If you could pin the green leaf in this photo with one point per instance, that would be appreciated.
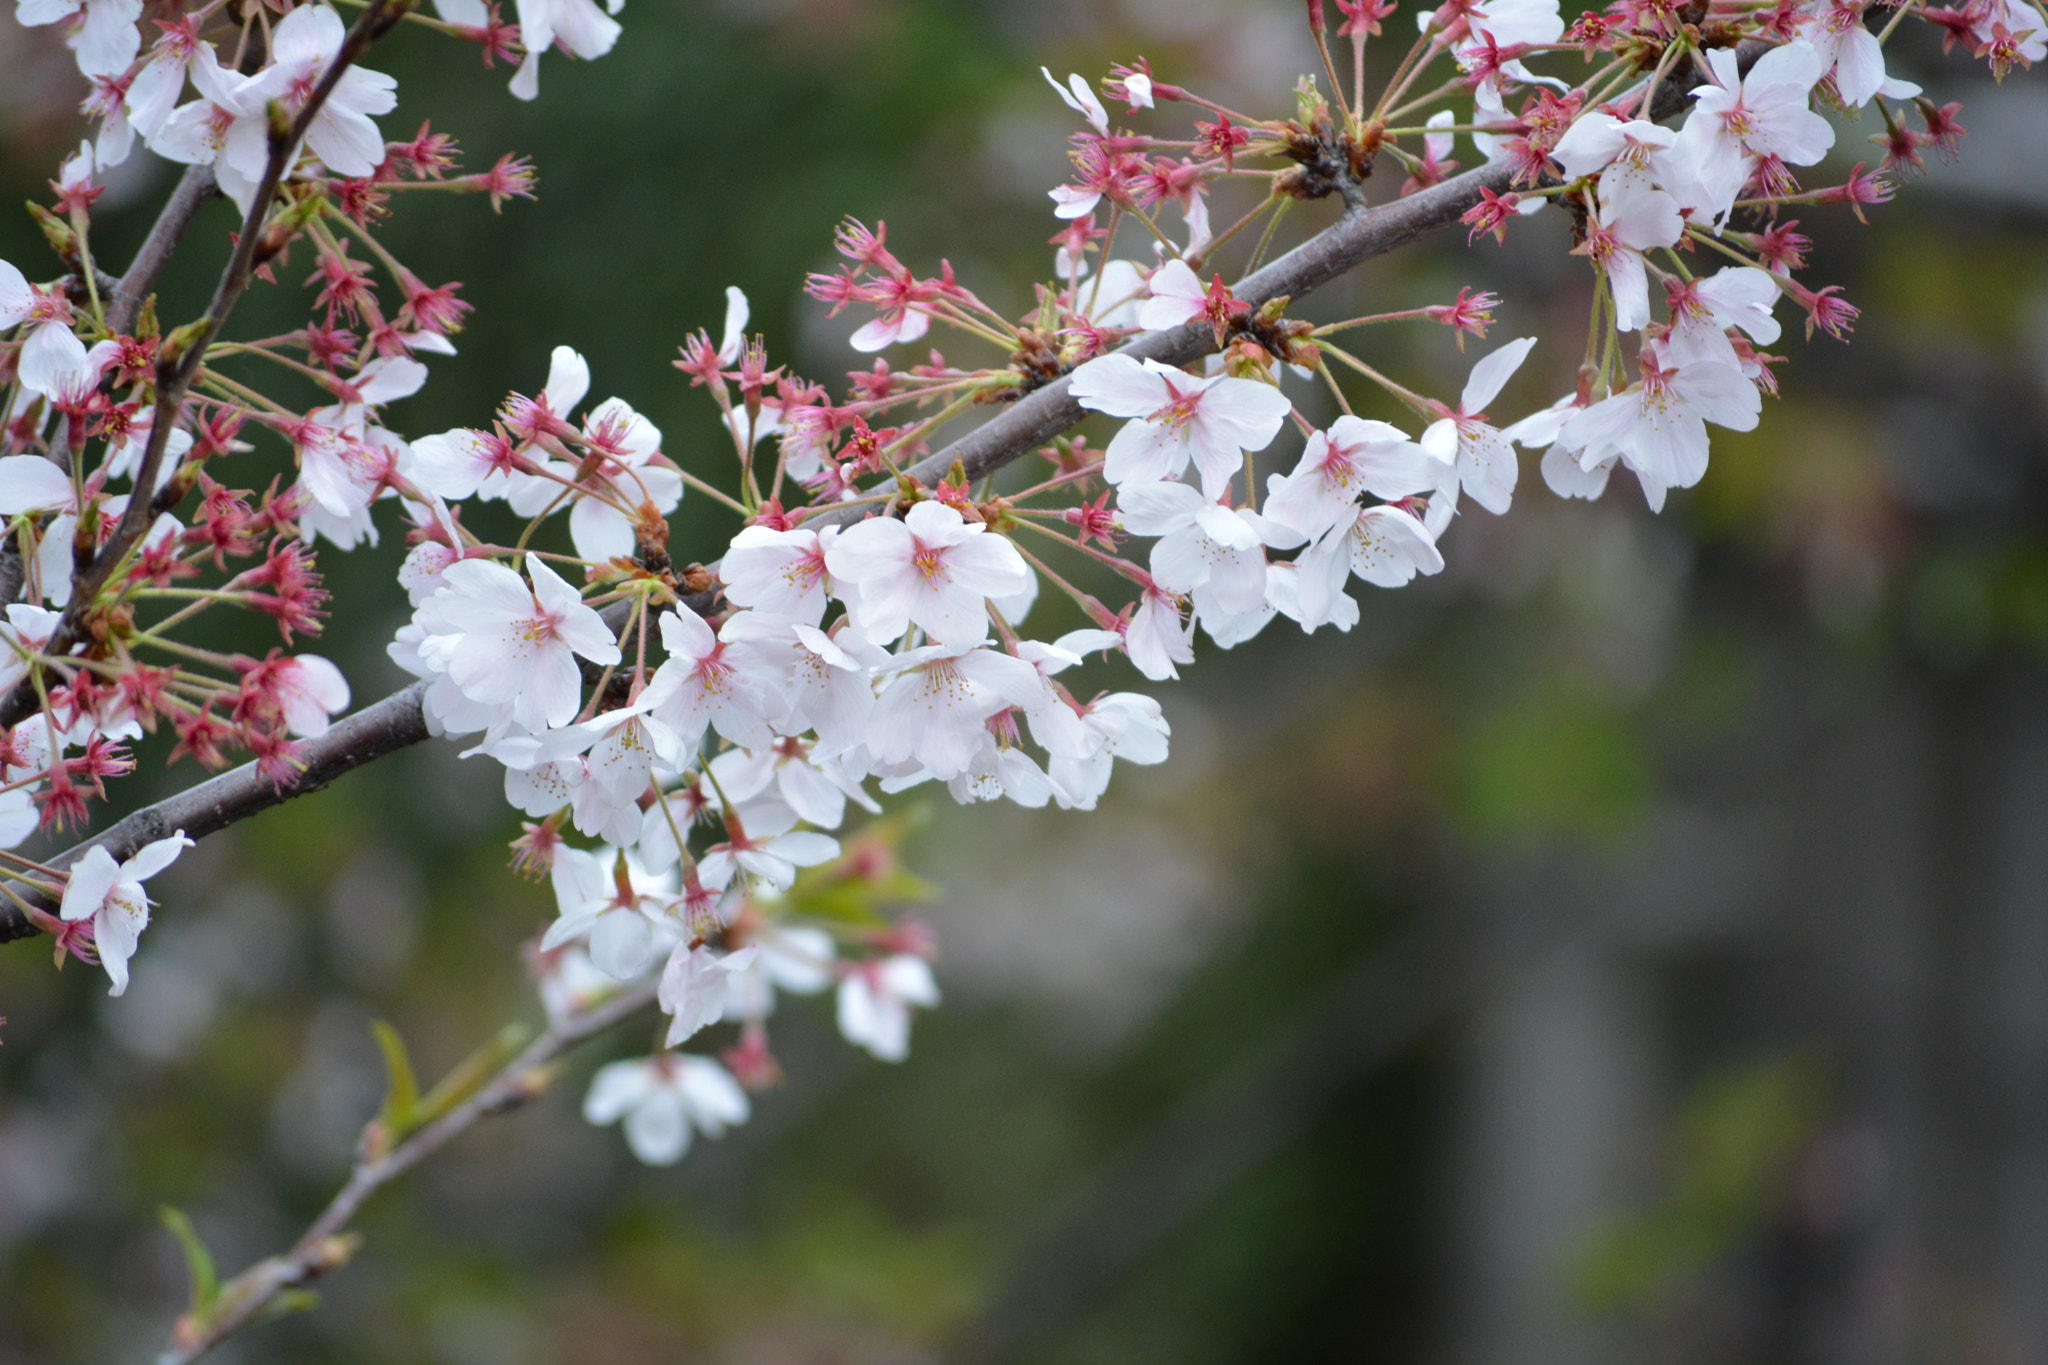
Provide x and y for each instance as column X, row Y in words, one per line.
column 198, row 1261
column 402, row 1098
column 852, row 888
column 470, row 1074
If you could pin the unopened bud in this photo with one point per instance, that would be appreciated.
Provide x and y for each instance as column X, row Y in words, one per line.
column 62, row 238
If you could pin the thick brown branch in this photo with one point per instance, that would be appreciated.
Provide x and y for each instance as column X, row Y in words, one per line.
column 194, row 188
column 213, row 805
column 323, row 1247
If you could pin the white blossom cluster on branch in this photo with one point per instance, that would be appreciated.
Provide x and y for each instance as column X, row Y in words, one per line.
column 686, row 727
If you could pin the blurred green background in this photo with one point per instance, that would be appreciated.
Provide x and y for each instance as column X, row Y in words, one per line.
column 1631, row 945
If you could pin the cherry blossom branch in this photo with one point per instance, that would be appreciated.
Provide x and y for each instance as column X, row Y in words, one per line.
column 194, row 188
column 184, row 350
column 326, row 1244
column 1357, row 237
column 213, row 805
column 396, row 722
column 1353, row 239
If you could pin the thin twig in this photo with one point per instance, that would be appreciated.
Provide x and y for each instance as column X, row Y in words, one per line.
column 325, row 1245
column 194, row 188
column 175, row 371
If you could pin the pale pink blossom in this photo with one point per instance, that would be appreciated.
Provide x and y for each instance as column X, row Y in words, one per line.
column 1000, row 769
column 463, row 464
column 1178, row 417
column 764, row 855
column 779, row 573
column 53, row 359
column 825, row 678
column 508, row 644
column 1202, row 545
column 613, row 906
column 816, row 789
column 708, row 681
column 1657, row 426
column 627, row 443
column 695, row 986
column 792, row 957
column 110, row 894
column 1384, row 545
column 1174, row 296
column 1618, row 232
column 229, row 127
column 935, row 708
column 578, row 27
column 932, row 569
column 24, row 634
column 1737, row 120
column 1354, row 456
column 310, row 690
column 664, row 1099
column 1079, row 96
column 1850, row 52
column 102, row 32
column 1467, row 441
column 1125, row 725
column 875, row 1000
column 1703, row 311
column 1157, row 636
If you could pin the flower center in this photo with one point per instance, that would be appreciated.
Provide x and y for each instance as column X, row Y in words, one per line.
column 930, row 561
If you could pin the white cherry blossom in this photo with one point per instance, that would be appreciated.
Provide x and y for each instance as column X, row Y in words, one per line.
column 1125, row 725
column 102, row 32
column 1466, row 440
column 769, row 855
column 504, row 643
column 1354, row 456
column 708, row 681
column 1657, row 426
column 1738, row 119
column 1157, row 636
column 1851, row 53
column 110, row 894
column 935, row 708
column 798, row 958
column 875, row 1000
column 1202, row 544
column 825, row 678
column 1079, row 96
column 696, row 985
column 817, row 789
column 1703, row 311
column 1384, row 545
column 311, row 690
column 1175, row 295
column 614, row 905
column 578, row 27
column 1178, row 418
column 779, row 573
column 663, row 1100
column 932, row 569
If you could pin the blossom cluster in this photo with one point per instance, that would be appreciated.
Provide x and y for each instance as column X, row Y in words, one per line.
column 685, row 734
